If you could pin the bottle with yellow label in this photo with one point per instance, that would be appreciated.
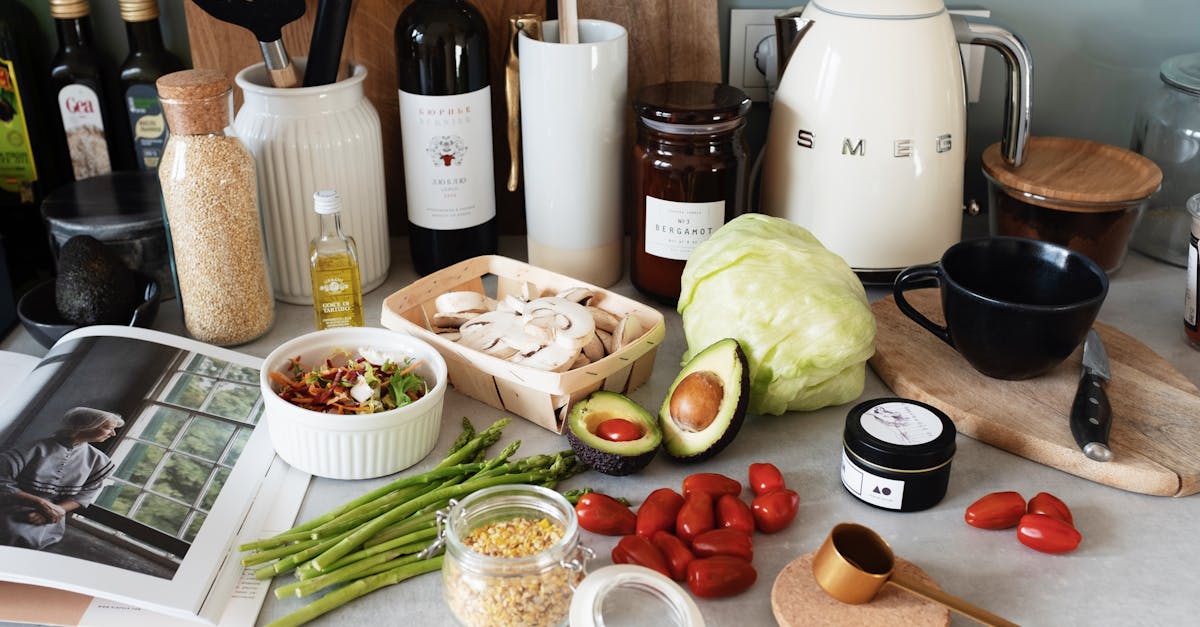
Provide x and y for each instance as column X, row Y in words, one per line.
column 333, row 258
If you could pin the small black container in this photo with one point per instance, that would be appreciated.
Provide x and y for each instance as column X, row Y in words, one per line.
column 896, row 454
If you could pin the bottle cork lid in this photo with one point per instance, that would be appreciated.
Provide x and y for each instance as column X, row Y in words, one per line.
column 327, row 201
column 138, row 10
column 199, row 84
column 196, row 101
column 69, row 9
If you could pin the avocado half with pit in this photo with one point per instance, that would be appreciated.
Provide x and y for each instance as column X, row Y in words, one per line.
column 612, row 434
column 706, row 404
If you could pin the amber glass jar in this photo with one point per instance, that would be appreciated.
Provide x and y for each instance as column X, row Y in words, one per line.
column 689, row 176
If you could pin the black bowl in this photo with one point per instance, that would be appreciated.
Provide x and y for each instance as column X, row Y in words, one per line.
column 39, row 313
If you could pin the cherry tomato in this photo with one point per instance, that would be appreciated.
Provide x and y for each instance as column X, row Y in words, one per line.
column 734, row 513
column 724, row 542
column 998, row 510
column 602, row 514
column 695, row 517
column 658, row 512
column 775, row 510
column 1050, row 505
column 1047, row 534
column 638, row 550
column 618, row 430
column 712, row 483
column 676, row 551
column 765, row 478
column 720, row 576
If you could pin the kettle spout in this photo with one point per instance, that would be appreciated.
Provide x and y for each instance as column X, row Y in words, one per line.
column 790, row 28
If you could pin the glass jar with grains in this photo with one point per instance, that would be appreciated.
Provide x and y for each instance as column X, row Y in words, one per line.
column 211, row 199
column 513, row 557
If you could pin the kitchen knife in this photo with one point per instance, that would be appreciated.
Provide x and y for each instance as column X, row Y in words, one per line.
column 1091, row 414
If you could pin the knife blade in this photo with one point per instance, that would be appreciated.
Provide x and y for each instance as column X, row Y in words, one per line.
column 1091, row 413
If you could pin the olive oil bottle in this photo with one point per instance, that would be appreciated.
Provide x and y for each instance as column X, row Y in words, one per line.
column 148, row 60
column 333, row 261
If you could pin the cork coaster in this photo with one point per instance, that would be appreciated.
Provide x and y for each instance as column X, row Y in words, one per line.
column 798, row 601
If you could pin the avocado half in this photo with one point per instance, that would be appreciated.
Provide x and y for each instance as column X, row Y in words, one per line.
column 706, row 404
column 607, row 456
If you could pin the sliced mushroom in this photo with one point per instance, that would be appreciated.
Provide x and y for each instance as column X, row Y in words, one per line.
column 529, row 291
column 454, row 319
column 594, row 349
column 604, row 320
column 453, row 302
column 486, row 333
column 572, row 323
column 606, row 340
column 452, row 335
column 511, row 302
column 551, row 358
column 581, row 360
column 581, row 295
column 629, row 330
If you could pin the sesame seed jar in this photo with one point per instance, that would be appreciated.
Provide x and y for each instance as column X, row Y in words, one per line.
column 512, row 557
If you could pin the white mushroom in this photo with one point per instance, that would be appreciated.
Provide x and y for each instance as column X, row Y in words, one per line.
column 551, row 358
column 594, row 349
column 486, row 333
column 606, row 340
column 529, row 291
column 511, row 302
column 629, row 330
column 454, row 302
column 453, row 319
column 571, row 323
column 604, row 320
column 581, row 295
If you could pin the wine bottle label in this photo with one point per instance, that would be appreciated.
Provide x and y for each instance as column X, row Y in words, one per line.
column 80, row 109
column 17, row 168
column 447, row 144
column 674, row 229
column 149, row 126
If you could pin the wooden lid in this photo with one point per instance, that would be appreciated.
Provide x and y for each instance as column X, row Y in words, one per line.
column 1076, row 172
column 798, row 601
column 198, row 84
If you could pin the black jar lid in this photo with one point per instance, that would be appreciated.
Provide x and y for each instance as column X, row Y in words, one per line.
column 691, row 102
column 900, row 434
column 114, row 206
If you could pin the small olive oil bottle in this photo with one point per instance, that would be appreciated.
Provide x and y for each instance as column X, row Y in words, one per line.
column 333, row 259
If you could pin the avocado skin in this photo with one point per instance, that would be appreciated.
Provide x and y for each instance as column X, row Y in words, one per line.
column 93, row 285
column 735, row 417
column 614, row 462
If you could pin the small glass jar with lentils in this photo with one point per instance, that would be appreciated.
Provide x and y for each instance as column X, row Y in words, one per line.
column 513, row 558
column 210, row 194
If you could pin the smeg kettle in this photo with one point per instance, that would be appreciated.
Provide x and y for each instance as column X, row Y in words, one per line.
column 866, row 143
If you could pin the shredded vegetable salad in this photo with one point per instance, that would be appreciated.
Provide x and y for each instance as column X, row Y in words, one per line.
column 360, row 386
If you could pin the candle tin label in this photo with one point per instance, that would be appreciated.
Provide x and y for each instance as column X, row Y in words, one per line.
column 871, row 488
column 904, row 424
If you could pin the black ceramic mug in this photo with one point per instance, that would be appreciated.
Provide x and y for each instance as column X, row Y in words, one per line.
column 1015, row 307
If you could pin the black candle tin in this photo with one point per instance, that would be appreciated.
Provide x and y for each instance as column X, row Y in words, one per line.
column 896, row 454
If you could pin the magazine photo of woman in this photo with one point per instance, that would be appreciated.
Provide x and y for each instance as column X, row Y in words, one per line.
column 43, row 483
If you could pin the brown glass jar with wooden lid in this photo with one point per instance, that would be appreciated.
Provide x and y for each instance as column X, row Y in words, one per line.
column 1077, row 193
column 689, row 176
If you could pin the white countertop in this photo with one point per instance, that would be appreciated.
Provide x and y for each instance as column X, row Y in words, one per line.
column 1136, row 565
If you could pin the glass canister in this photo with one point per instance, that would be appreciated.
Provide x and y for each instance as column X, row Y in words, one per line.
column 689, row 176
column 210, row 196
column 1167, row 130
column 512, row 557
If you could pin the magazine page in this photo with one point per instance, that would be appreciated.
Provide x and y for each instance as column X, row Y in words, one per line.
column 130, row 460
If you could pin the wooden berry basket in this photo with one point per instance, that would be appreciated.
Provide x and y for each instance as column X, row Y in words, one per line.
column 536, row 395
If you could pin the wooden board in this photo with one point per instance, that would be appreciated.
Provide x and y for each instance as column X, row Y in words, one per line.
column 1156, row 410
column 668, row 40
column 797, row 600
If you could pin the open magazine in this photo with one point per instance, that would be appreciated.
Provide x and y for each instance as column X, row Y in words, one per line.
column 130, row 469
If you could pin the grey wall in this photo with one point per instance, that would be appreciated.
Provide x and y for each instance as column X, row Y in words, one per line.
column 1094, row 59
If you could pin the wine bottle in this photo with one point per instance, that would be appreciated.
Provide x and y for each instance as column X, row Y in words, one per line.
column 78, row 83
column 28, row 165
column 148, row 59
column 446, row 134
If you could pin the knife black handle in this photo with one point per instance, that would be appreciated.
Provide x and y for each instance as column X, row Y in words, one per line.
column 1091, row 418
column 325, row 50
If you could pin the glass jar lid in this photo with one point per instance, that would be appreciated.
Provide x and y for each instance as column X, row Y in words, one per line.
column 691, row 103
column 1182, row 72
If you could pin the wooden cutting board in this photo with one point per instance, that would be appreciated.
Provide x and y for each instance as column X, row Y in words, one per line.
column 1156, row 410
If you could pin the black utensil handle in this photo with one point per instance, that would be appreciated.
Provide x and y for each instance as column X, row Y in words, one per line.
column 325, row 50
column 1091, row 416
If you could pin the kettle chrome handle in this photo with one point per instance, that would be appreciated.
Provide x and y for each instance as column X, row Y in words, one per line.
column 983, row 32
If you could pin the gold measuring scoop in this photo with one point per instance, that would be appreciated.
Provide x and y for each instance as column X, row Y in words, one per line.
column 854, row 563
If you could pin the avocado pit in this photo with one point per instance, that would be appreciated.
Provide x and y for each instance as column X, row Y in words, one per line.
column 697, row 400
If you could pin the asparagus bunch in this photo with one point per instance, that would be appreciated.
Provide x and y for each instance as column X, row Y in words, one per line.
column 383, row 537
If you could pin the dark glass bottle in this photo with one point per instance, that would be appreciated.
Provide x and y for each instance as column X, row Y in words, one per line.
column 689, row 176
column 148, row 59
column 28, row 170
column 79, row 86
column 446, row 132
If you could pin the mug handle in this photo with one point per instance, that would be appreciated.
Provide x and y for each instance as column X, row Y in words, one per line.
column 909, row 279
column 531, row 25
